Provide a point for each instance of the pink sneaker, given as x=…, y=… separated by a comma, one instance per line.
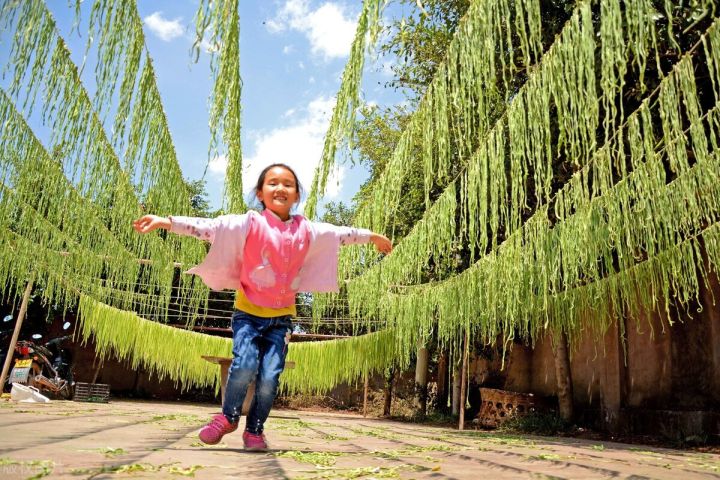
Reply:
x=213, y=432
x=254, y=442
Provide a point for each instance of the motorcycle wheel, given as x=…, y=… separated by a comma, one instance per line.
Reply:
x=67, y=392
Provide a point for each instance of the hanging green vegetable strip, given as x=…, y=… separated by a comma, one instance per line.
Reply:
x=176, y=354
x=40, y=185
x=166, y=351
x=456, y=108
x=222, y=19
x=503, y=284
x=93, y=164
x=528, y=122
x=577, y=233
x=485, y=200
x=320, y=366
x=346, y=101
x=150, y=157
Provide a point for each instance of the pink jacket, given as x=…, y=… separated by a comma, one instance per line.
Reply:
x=242, y=243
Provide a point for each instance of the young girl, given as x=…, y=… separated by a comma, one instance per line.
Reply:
x=267, y=258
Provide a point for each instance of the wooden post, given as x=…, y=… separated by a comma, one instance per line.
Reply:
x=563, y=377
x=365, y=395
x=388, y=391
x=97, y=370
x=16, y=332
x=421, y=370
x=456, y=374
x=442, y=390
x=463, y=382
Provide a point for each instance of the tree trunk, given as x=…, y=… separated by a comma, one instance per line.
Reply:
x=421, y=370
x=442, y=383
x=388, y=392
x=365, y=395
x=564, y=379
x=457, y=375
x=463, y=381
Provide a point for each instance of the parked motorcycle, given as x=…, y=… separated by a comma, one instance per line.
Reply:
x=46, y=367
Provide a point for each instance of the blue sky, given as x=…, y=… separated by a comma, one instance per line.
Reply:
x=292, y=56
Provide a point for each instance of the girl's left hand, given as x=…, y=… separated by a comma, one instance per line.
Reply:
x=382, y=243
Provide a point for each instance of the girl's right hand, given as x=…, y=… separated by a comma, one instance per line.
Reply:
x=148, y=223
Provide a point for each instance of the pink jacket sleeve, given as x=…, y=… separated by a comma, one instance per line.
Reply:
x=348, y=235
x=201, y=228
x=319, y=273
x=222, y=265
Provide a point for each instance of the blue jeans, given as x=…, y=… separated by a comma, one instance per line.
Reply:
x=259, y=349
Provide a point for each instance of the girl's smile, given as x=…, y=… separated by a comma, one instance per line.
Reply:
x=279, y=192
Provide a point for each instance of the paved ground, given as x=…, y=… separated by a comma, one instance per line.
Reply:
x=125, y=439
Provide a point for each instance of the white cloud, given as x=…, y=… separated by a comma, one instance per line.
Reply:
x=289, y=113
x=209, y=47
x=335, y=181
x=329, y=28
x=166, y=29
x=217, y=166
x=386, y=69
x=299, y=145
x=288, y=49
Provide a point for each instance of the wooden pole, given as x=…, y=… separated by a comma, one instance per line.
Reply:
x=442, y=382
x=421, y=371
x=16, y=332
x=463, y=382
x=563, y=377
x=365, y=395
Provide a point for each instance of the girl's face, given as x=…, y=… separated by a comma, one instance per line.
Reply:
x=279, y=192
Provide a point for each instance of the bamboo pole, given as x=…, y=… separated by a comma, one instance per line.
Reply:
x=16, y=332
x=463, y=382
x=365, y=395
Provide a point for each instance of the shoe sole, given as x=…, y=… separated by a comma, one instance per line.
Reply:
x=256, y=449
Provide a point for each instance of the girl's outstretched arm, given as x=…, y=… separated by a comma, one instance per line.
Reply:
x=148, y=223
x=382, y=243
x=201, y=228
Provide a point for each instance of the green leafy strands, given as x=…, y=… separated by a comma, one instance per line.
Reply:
x=320, y=366
x=467, y=87
x=346, y=101
x=614, y=62
x=530, y=139
x=469, y=81
x=575, y=236
x=150, y=155
x=484, y=188
x=167, y=351
x=222, y=19
x=40, y=186
x=120, y=40
x=711, y=46
x=79, y=131
x=640, y=214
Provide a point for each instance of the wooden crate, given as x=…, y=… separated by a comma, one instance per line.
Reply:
x=92, y=392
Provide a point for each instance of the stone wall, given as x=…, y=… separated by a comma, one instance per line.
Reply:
x=658, y=373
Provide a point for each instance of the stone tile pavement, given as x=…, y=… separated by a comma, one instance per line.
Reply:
x=133, y=440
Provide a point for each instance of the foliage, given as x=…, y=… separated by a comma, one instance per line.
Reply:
x=222, y=19
x=419, y=42
x=346, y=101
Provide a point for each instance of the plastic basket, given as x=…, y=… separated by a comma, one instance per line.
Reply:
x=92, y=392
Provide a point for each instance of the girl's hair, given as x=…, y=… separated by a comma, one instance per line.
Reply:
x=261, y=180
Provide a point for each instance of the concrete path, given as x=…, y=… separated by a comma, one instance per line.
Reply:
x=124, y=439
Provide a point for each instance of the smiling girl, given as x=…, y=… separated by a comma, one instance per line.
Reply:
x=267, y=258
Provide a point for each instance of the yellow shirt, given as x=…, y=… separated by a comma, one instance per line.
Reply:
x=242, y=303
